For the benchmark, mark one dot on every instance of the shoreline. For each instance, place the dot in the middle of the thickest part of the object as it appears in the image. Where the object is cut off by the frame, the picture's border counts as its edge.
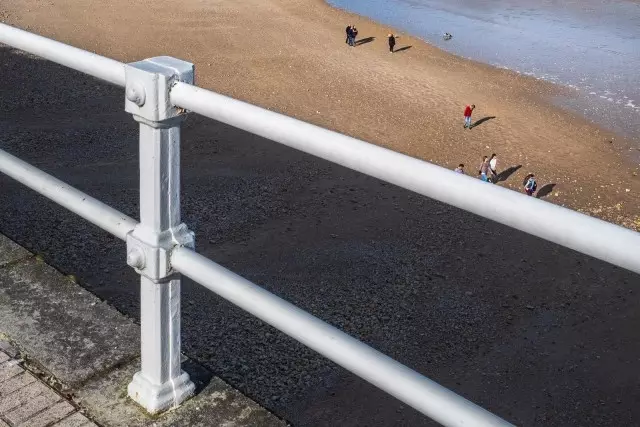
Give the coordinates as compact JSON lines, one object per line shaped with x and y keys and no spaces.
{"x":317,"y":78}
{"x":553,"y":89}
{"x":503,"y":38}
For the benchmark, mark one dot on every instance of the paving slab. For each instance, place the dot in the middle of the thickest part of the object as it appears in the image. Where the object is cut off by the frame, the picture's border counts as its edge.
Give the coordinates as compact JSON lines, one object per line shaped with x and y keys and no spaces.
{"x":75,"y":420}
{"x":23,"y":395}
{"x":218,"y":404}
{"x":19,"y":381}
{"x":11,"y":251}
{"x":9,"y":369}
{"x":62,"y":326}
{"x":30,"y":408}
{"x":26,"y":401}
{"x":9,"y":349}
{"x":50,"y":415}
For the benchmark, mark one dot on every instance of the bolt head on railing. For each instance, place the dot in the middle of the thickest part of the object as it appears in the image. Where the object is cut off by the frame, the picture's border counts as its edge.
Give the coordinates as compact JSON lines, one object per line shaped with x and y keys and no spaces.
{"x":135,"y":258}
{"x":135,"y":94}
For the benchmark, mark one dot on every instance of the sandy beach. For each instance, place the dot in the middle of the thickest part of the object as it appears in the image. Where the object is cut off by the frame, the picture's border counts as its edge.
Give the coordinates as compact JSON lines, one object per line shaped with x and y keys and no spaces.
{"x":290,"y":56}
{"x":536,"y":333}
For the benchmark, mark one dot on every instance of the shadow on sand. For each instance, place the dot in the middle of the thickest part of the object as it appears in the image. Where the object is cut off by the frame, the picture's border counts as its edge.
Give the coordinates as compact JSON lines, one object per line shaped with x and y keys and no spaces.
{"x":402,"y":48}
{"x":482,"y":120}
{"x":505,"y":174}
{"x":365,"y":41}
{"x":545,"y":190}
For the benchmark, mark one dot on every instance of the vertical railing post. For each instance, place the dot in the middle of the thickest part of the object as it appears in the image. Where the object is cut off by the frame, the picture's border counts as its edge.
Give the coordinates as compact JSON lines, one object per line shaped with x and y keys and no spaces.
{"x":160,"y":384}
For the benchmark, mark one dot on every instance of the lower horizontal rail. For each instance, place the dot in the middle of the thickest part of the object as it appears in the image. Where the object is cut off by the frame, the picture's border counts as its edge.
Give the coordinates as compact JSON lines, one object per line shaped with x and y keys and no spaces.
{"x":423,"y":394}
{"x":76,"y":201}
{"x":591,"y":236}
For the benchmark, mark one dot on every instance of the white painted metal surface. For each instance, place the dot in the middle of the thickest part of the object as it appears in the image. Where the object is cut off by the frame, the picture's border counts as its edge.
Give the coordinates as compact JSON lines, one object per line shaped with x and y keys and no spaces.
{"x":160,"y":384}
{"x":89,"y":63}
{"x":153,"y":88}
{"x":425,"y":395}
{"x":592,"y":236}
{"x":66,"y":196}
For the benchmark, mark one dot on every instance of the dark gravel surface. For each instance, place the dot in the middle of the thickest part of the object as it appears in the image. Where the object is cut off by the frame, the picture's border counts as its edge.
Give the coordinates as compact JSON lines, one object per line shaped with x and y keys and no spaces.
{"x":538,"y":334}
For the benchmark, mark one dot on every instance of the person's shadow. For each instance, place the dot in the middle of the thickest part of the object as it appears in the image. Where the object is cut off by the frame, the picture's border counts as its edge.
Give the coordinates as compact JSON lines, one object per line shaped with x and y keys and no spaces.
{"x":545,"y":190}
{"x":482,"y":120}
{"x":365,"y":41}
{"x":402,"y":48}
{"x":505,"y":174}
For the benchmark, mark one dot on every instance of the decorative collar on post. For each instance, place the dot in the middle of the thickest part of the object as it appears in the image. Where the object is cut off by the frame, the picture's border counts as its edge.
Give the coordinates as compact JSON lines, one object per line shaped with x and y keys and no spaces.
{"x":148,"y":83}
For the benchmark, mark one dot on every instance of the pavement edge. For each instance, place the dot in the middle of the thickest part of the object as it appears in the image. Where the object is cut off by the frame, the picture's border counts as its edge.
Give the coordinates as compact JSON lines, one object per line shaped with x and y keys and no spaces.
{"x":88,"y":351}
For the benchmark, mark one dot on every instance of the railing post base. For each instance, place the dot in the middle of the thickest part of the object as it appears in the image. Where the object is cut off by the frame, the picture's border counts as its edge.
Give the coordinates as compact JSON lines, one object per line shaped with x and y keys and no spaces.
{"x":157,"y":398}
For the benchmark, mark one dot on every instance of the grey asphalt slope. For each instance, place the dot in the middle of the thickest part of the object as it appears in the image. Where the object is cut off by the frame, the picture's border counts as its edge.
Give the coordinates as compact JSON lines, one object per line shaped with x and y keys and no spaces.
{"x":534,"y":332}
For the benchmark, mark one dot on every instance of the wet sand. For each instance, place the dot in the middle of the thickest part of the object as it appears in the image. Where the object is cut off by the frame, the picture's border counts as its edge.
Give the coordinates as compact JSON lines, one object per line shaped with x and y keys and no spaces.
{"x":290,"y":56}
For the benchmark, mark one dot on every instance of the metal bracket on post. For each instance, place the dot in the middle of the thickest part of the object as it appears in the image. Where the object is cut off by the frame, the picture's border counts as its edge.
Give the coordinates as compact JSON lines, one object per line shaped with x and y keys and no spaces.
{"x":149,"y":253}
{"x":160,"y":384}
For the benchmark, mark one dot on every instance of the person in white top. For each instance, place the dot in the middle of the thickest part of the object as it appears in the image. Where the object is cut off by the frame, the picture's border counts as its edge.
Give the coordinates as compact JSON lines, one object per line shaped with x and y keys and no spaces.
{"x":493,"y":163}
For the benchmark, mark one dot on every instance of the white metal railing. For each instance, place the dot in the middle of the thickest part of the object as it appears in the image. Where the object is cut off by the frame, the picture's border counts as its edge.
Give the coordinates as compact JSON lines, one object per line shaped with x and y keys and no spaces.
{"x":66,"y":196}
{"x":159,"y":91}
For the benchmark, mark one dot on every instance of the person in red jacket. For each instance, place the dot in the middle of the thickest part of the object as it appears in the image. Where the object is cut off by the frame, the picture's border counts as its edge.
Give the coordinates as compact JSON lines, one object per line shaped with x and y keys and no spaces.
{"x":467,"y":115}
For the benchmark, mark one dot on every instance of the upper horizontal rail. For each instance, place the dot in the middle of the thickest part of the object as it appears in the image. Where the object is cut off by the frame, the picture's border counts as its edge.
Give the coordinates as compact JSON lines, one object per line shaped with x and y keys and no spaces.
{"x":74,"y":200}
{"x":414,"y":389}
{"x":592,"y":236}
{"x":89,"y":63}
{"x":600,"y":239}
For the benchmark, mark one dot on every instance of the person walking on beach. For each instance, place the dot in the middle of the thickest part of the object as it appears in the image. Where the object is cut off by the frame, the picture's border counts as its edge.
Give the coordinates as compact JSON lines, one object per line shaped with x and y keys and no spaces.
{"x":493,"y":163}
{"x":467,"y":115}
{"x":530,"y":184}
{"x":354,"y":34}
{"x":460,"y":169}
{"x":483,"y":170}
{"x":392,"y":42}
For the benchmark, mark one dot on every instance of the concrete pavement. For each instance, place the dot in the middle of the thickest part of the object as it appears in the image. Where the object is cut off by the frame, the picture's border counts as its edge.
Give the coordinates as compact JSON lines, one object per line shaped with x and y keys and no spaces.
{"x":66,"y":357}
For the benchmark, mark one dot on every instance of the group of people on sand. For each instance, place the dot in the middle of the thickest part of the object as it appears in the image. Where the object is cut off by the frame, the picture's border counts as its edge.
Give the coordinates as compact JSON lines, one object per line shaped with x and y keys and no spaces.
{"x":487,"y":171}
{"x":352,"y":33}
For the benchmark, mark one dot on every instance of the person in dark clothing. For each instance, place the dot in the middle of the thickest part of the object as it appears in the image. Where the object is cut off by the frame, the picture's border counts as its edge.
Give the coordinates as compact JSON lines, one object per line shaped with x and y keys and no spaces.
{"x":392,"y":42}
{"x":348,"y":31}
{"x":351,"y":35}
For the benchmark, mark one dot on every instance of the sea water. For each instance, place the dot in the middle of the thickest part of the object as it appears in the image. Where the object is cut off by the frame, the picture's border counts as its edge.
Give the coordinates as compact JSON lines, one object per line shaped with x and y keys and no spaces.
{"x":591,"y":46}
